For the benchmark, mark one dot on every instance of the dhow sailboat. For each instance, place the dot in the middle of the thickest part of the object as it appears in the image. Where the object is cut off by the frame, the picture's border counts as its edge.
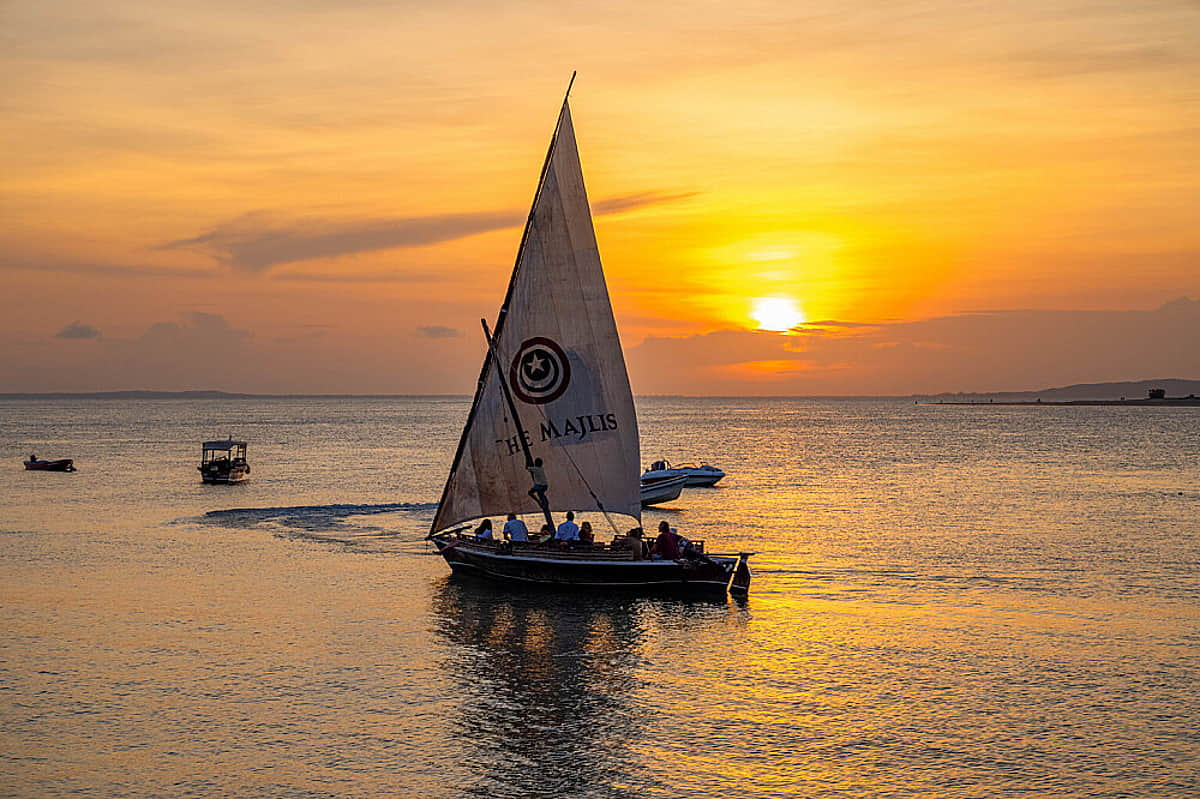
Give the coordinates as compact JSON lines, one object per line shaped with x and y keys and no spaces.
{"x":553,"y":387}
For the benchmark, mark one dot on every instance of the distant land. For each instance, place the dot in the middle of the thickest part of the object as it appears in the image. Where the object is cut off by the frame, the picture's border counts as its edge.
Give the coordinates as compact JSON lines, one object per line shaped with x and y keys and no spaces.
{"x":1133,"y":389}
{"x":1130,"y":390}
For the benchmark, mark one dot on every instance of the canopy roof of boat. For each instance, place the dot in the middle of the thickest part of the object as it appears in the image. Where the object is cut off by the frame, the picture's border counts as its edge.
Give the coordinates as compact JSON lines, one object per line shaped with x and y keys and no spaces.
{"x":227,"y":444}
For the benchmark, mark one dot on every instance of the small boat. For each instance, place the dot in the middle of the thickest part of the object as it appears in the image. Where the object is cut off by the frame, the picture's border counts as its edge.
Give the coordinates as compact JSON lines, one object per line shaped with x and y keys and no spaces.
{"x":60,"y":465}
{"x":702,"y":475}
{"x":554,"y":385}
{"x":655,"y":492}
{"x":223,"y":461}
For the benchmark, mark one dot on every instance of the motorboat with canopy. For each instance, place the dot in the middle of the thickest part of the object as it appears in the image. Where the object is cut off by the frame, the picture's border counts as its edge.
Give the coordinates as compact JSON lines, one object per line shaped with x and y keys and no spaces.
{"x":223,"y":461}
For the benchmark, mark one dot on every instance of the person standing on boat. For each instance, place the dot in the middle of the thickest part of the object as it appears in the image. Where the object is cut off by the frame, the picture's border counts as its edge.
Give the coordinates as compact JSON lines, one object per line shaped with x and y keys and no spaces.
{"x":538,"y":492}
{"x":568,"y":530}
{"x":667,"y":543}
{"x":515,"y":529}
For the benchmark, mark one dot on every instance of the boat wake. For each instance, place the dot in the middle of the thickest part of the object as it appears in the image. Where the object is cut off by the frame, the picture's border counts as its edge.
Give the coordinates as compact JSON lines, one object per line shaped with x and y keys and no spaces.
{"x":339,"y":524}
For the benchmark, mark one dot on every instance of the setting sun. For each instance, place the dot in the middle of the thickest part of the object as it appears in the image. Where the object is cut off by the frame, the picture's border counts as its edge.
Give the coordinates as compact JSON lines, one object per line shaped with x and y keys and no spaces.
{"x":776,"y":313}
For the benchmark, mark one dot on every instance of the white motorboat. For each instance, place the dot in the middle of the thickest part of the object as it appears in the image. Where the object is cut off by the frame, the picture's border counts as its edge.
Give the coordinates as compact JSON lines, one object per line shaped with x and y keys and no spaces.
{"x":665,"y":489}
{"x":702,"y":475}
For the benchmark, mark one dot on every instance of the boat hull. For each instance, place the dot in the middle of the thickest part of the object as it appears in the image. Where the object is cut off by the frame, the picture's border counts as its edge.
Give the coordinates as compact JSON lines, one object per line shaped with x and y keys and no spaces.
{"x":534,"y":565}
{"x":666,"y":489}
{"x":235,"y":474}
{"x":61,"y":465}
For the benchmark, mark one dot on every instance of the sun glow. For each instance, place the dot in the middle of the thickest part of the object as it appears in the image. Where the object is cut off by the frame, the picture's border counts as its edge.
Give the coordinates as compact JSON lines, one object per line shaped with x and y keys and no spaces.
{"x":776,"y":313}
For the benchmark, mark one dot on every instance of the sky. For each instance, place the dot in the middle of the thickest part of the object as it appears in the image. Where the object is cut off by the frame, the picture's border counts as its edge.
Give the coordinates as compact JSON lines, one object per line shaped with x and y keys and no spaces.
{"x":795,"y":197}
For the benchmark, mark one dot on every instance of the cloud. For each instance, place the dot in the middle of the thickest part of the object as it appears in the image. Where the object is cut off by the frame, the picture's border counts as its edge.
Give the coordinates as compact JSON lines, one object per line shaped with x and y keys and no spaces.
{"x":630,"y":202}
{"x":1058,"y":62}
{"x":982,"y":351}
{"x":204,"y":331}
{"x":33,"y":263}
{"x":438,"y":331}
{"x":77,"y":330}
{"x":256,"y":242}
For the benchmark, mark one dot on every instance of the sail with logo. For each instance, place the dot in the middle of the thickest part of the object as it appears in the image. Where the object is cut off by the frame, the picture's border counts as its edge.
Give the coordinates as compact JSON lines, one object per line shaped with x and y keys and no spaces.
{"x":554,"y":389}
{"x":557,"y":345}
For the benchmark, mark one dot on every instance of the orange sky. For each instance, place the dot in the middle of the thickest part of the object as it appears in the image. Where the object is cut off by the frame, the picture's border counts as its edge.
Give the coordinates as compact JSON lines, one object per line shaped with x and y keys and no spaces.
{"x":315,"y":197}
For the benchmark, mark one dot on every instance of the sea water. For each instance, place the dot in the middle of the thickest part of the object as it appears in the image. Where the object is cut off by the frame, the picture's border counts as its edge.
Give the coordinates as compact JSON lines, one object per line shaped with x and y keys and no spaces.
{"x":948,"y":602}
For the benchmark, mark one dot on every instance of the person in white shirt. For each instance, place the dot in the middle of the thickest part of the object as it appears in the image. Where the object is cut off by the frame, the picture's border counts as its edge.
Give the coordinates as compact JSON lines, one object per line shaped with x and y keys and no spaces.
{"x":568,"y":530}
{"x":515,"y":529}
{"x":484,"y":531}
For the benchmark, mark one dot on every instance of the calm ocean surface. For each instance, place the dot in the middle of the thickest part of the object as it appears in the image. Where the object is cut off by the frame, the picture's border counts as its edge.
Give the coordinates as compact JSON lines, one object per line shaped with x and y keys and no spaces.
{"x":948,"y":602}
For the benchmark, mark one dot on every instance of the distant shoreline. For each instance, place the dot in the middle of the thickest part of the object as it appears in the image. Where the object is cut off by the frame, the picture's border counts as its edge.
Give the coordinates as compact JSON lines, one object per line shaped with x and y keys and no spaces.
{"x":1169,"y":402}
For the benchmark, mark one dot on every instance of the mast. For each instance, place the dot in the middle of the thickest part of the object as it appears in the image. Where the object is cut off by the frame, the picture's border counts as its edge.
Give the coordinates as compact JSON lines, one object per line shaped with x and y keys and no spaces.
{"x":512,"y":282}
{"x":516,"y":417}
{"x":555,"y":348}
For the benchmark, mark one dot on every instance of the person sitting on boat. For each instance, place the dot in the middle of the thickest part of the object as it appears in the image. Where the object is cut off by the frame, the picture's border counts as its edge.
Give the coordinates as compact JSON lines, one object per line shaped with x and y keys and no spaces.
{"x":32,"y":458}
{"x":484,"y":531}
{"x":515,"y":529}
{"x":635,"y":544}
{"x":538,"y":475}
{"x":568,"y":530}
{"x":666,"y":546}
{"x":545,"y":534}
{"x":585,"y":533}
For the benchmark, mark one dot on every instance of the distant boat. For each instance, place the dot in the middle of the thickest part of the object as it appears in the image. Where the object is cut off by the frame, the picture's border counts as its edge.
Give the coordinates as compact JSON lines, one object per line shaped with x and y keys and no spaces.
{"x":60,"y":465}
{"x":656,"y":492}
{"x":223,"y":461}
{"x":555,"y":359}
{"x":702,"y":475}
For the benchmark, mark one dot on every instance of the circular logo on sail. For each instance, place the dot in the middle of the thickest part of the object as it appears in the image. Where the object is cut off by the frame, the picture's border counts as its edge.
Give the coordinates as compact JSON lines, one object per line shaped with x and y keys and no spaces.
{"x":540,"y":372}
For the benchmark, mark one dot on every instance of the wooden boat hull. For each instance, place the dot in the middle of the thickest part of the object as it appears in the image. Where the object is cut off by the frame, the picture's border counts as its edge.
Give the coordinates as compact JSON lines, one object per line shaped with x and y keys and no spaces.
{"x":581,"y":569}
{"x":61,"y":465}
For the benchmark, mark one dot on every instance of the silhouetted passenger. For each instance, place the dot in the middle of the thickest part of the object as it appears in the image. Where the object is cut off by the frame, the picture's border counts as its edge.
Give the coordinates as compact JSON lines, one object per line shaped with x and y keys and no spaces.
{"x":636,"y":545}
{"x":515,"y":529}
{"x":568,"y":530}
{"x":585,"y":533}
{"x":667,"y":543}
{"x":484,"y":531}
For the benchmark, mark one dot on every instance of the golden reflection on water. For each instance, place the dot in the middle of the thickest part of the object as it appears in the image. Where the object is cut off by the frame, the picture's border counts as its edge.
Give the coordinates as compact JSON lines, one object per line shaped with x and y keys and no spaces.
{"x":946,"y":603}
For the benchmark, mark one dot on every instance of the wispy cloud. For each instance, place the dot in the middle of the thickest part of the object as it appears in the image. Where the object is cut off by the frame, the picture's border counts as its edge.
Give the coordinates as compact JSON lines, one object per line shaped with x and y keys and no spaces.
{"x":258,"y":241}
{"x":641,"y":199}
{"x":37,"y":264}
{"x":77,"y":330}
{"x":438,"y":331}
{"x":254,"y":242}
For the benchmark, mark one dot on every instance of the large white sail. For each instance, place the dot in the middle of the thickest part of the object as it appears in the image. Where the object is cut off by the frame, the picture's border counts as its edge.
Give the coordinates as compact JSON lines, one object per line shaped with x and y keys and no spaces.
{"x":557,"y":345}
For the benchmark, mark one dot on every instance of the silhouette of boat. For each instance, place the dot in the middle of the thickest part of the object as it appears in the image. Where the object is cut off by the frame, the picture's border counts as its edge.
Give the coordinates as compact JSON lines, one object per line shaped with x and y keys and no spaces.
{"x":554,"y":383}
{"x":702,"y":475}
{"x":60,"y":465}
{"x":664,"y":489}
{"x":223,"y":461}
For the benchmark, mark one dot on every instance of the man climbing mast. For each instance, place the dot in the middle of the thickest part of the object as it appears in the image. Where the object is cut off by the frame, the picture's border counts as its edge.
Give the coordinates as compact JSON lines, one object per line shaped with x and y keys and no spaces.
{"x":538,"y":492}
{"x":536,"y":472}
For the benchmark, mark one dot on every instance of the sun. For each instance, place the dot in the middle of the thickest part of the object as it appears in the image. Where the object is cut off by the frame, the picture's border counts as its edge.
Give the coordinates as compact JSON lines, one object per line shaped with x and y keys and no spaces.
{"x":776,"y":313}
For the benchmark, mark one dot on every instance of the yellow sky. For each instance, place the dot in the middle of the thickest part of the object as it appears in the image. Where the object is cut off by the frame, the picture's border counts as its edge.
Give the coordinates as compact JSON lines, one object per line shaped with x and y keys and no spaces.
{"x":336,"y":187}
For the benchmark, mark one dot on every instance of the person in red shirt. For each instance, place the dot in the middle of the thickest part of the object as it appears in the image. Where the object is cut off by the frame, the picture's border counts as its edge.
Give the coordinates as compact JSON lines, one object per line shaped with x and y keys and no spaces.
{"x":667,"y":543}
